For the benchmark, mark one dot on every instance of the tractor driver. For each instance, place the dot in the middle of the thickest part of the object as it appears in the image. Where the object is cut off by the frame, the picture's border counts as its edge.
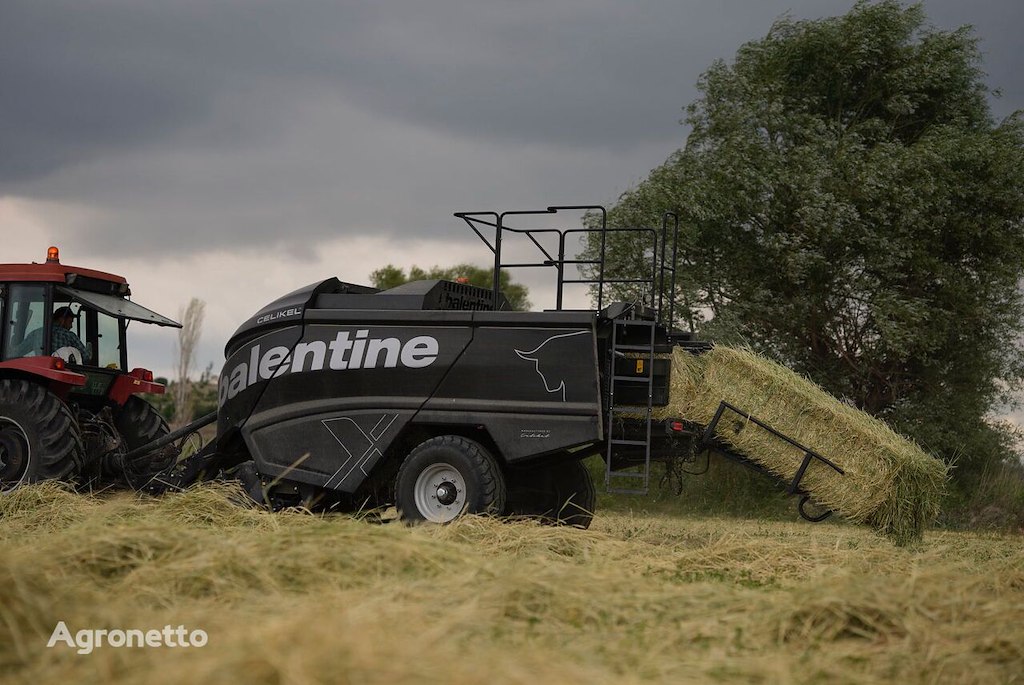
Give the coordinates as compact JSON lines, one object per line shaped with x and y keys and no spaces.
{"x":61,"y":334}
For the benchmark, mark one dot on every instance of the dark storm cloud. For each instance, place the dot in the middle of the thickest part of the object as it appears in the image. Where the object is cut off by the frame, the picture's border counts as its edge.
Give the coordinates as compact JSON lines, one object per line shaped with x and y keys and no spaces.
{"x":185,"y":125}
{"x":84,"y":79}
{"x":996,"y":25}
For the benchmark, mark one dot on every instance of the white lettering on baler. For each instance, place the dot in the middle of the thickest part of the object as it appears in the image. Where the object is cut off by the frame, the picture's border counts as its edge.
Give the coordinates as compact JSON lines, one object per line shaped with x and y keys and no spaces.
{"x":267,"y":318}
{"x":342,"y":353}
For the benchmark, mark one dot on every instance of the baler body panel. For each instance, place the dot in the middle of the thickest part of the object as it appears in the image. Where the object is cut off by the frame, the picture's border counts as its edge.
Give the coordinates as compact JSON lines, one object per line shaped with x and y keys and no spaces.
{"x":320,"y":395}
{"x":532,"y":382}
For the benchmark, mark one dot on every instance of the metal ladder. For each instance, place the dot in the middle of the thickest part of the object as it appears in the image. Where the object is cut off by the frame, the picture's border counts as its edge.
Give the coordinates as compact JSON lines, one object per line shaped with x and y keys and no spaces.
{"x":625,"y":480}
{"x":629,"y":480}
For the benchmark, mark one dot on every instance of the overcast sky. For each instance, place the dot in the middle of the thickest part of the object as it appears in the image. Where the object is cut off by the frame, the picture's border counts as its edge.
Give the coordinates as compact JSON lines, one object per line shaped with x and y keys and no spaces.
{"x":233,"y":151}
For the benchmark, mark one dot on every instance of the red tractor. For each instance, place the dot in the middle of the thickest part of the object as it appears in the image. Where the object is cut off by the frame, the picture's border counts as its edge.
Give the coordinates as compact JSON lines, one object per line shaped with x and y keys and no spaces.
{"x":69,"y":406}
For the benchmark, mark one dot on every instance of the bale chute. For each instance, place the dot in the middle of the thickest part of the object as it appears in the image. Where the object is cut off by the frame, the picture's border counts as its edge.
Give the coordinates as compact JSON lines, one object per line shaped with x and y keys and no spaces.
{"x":884,"y":480}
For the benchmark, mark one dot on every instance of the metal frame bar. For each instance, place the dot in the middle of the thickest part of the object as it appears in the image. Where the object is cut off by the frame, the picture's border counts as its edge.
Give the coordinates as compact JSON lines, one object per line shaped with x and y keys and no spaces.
{"x":810,"y":455}
{"x":477,"y":219}
{"x":757,"y":468}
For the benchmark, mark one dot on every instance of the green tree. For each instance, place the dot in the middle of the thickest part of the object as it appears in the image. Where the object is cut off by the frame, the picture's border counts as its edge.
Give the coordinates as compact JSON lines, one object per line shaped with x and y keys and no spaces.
{"x":390,"y":276}
{"x":850,"y":208}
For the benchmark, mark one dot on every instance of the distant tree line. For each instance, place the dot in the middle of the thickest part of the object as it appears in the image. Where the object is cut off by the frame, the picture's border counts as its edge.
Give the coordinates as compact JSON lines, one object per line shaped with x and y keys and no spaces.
{"x":391,"y":276}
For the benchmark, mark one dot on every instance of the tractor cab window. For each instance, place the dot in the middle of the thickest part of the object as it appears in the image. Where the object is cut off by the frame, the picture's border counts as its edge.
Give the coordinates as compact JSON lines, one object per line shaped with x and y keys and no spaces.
{"x":94,"y":335}
{"x":24,"y":320}
{"x":108,"y":341}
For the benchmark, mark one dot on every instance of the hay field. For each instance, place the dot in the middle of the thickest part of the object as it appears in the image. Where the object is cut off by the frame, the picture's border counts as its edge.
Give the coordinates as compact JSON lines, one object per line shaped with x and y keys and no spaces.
{"x":293,"y":598}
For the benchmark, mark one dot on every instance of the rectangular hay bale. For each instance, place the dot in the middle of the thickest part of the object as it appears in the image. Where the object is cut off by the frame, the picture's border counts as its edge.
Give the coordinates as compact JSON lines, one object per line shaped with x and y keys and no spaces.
{"x":890,"y":483}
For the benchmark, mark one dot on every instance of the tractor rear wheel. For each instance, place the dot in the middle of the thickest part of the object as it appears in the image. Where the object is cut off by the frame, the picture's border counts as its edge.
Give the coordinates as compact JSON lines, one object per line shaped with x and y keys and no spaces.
{"x":139,"y":423}
{"x":561,"y":494}
{"x":447,"y":476}
{"x":39,"y":437}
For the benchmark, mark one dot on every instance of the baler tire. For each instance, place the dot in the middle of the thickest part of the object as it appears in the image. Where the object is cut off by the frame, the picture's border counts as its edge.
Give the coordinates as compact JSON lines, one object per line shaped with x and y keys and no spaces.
{"x":560,"y":494}
{"x":39,"y":437}
{"x":448,"y":476}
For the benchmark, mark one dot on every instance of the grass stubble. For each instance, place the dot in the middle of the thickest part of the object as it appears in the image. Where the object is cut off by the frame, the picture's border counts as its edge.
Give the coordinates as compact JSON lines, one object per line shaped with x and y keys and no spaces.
{"x":297,"y":598}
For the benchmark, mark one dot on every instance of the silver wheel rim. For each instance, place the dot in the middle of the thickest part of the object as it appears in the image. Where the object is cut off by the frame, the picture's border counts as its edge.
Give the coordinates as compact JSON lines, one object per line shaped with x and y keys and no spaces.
{"x":13,"y":440}
{"x":440,"y":493}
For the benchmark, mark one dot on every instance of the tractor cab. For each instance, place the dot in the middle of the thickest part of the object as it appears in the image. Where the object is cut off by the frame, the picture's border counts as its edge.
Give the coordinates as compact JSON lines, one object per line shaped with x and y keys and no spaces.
{"x":69,"y":325}
{"x":69,"y":406}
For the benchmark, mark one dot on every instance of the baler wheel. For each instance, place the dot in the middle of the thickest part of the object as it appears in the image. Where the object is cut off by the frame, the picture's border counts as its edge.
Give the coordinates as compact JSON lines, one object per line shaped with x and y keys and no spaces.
{"x":39,"y":437}
{"x":447,"y":476}
{"x":561,"y":494}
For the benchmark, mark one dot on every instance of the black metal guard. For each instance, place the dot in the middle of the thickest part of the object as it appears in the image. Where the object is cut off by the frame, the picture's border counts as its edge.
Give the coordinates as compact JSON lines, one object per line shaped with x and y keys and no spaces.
{"x":792,"y":487}
{"x":498,"y":222}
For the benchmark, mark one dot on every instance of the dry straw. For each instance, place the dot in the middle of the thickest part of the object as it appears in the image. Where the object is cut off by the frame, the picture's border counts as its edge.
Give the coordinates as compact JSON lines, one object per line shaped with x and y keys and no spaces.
{"x":295,"y":598}
{"x":890,"y":483}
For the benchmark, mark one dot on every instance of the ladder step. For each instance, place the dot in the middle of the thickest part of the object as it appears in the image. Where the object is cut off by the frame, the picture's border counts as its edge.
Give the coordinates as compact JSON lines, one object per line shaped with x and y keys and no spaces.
{"x":626,"y":491}
{"x":634,"y":348}
{"x":626,"y":474}
{"x":635,"y":322}
{"x":627,"y":442}
{"x":641,"y":404}
{"x":630,"y":409}
{"x":632,"y":379}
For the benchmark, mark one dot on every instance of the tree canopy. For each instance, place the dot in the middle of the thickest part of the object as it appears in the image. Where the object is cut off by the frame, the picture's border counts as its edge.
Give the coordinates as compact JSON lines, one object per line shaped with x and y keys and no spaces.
{"x":390,"y":276}
{"x":850,"y":208}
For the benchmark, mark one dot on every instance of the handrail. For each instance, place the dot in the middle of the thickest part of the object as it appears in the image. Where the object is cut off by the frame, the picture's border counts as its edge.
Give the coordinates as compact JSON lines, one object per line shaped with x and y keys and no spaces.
{"x":498,"y":222}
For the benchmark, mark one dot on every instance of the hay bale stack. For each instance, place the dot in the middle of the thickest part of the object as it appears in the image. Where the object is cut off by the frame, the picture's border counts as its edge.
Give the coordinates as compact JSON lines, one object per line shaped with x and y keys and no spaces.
{"x":890,"y":483}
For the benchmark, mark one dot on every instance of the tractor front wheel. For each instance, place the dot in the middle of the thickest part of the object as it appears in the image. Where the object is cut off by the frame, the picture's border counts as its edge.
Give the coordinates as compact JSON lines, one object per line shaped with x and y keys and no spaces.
{"x":39,"y":438}
{"x":448,"y":476}
{"x":561,"y":494}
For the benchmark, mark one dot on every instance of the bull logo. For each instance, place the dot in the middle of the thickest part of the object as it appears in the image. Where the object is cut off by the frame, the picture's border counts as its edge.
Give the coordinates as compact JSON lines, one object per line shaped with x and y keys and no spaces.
{"x":549,"y":361}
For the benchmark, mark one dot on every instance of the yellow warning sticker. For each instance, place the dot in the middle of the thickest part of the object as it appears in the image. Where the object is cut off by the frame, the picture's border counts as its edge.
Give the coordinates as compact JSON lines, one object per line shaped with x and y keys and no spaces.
{"x":639,"y":365}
